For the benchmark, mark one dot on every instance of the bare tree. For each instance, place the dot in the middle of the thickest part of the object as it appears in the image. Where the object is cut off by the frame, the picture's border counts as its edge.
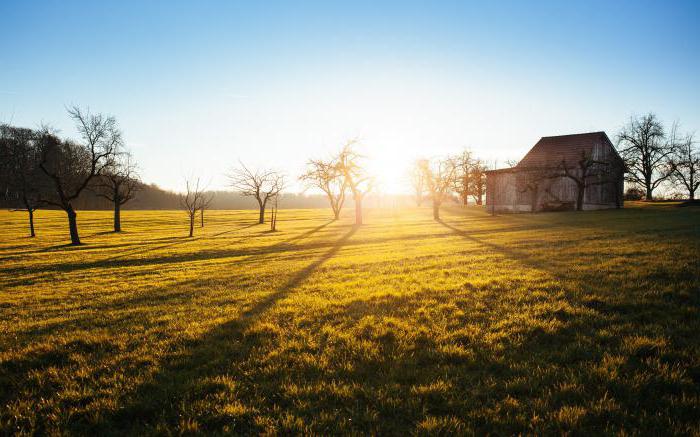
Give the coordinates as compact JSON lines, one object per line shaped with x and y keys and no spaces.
{"x":350,"y":163}
{"x":274,"y":208}
{"x":329,"y":178}
{"x":118,"y":183}
{"x":206,"y":202}
{"x":71,"y":166}
{"x":19,"y":169}
{"x":585,"y":172}
{"x":439,"y":178}
{"x":417,"y":179}
{"x":192,"y":200}
{"x":462,"y":178}
{"x":685,"y":165}
{"x":477,"y":180}
{"x":263,"y":185}
{"x":645,"y":147}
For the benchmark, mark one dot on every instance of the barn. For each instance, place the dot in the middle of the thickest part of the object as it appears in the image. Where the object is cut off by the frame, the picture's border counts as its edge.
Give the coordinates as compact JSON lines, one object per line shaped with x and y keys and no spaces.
{"x":565,"y":172}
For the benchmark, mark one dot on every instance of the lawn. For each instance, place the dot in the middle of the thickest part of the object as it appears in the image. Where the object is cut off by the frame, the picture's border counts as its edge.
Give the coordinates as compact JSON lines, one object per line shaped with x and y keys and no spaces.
{"x":527,"y":323}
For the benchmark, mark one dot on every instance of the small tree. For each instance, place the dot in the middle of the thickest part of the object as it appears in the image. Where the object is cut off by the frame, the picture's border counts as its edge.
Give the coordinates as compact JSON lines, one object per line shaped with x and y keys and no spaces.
{"x":20,"y":174}
{"x":585,"y":172}
{"x":439,"y":178}
{"x":358,"y":181}
{"x":71,"y":166}
{"x":118,"y":183}
{"x":685,"y":166}
{"x":477,"y":180}
{"x":205,"y":205}
{"x":329,"y":178}
{"x":192,"y":200}
{"x":263,"y":185}
{"x":274,"y":209}
{"x":417,"y":179}
{"x":646,"y":148}
{"x":463,"y":172}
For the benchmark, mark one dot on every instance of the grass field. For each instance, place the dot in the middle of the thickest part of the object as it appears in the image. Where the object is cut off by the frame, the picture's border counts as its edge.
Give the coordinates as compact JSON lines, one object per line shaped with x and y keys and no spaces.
{"x":519,"y":323}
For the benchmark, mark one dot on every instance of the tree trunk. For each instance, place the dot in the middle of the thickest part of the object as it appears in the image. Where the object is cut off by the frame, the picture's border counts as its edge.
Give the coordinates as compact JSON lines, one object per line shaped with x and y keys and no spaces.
{"x":480,"y":197}
{"x":201,"y":216}
{"x":192,"y":222}
{"x":579,"y":198}
{"x":261,"y":217}
{"x":465,"y":199}
{"x":691,"y":196}
{"x":436,"y":211}
{"x":358,"y":210}
{"x":649,"y":190}
{"x":117,"y":216}
{"x":31,"y":222}
{"x":73,"y":226}
{"x":336,"y":213}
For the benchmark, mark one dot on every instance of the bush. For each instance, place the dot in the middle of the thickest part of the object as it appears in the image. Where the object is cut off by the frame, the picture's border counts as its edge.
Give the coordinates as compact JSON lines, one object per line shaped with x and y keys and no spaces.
{"x":634,"y":193}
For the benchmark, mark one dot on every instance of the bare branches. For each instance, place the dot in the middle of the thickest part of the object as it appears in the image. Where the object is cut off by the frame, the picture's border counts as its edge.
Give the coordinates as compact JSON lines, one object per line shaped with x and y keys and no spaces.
{"x":684,"y":165}
{"x":645,"y":147}
{"x":263,"y":185}
{"x":193,"y":200}
{"x":355,"y":176}
{"x":329,"y":178}
{"x":440,"y":178}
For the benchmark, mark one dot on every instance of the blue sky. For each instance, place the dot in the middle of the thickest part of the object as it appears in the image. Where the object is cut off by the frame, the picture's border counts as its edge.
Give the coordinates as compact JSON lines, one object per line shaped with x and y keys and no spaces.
{"x":196,"y":86}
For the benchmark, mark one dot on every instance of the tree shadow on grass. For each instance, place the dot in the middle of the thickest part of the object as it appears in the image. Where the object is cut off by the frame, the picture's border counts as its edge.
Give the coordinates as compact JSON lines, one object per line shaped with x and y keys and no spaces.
{"x":222,"y":347}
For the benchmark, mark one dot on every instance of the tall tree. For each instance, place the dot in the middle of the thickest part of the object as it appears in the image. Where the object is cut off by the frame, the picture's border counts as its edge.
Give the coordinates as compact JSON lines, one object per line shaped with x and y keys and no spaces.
{"x":645,"y":147}
{"x":71,"y":166}
{"x":685,"y":165}
{"x":439,"y":177}
{"x":263,"y":185}
{"x":329,"y":178}
{"x":118,"y":183}
{"x":19,"y":169}
{"x":359,"y":182}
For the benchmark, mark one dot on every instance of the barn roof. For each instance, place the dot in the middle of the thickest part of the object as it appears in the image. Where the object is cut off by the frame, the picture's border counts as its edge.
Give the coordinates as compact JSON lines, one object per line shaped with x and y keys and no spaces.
{"x":552,"y":150}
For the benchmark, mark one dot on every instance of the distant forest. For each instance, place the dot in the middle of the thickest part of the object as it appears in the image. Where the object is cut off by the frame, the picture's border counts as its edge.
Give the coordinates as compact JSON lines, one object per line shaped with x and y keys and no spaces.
{"x":151,"y":196}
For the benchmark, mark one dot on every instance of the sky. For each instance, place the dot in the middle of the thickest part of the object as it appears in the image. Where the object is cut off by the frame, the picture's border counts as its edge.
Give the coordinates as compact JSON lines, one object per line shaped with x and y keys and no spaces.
{"x":198,"y":86}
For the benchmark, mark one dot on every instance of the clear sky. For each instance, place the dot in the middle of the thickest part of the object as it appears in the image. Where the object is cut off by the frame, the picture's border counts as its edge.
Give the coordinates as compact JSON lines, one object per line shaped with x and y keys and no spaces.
{"x":196,"y":86}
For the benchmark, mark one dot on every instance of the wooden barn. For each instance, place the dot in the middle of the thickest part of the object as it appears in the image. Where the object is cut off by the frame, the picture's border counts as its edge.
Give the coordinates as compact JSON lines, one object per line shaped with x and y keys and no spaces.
{"x":566,"y":172}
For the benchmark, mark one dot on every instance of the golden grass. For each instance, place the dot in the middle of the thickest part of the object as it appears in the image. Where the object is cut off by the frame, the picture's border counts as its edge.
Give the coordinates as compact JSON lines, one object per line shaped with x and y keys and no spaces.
{"x":521,"y":323}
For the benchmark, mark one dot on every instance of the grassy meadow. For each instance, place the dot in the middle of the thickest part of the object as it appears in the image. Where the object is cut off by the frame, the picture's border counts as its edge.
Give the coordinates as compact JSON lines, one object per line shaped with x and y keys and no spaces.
{"x":546,"y":323}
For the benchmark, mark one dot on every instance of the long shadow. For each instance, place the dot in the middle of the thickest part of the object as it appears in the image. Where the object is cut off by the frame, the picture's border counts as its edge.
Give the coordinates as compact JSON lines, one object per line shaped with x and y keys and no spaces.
{"x":168,"y":259}
{"x":222,"y":347}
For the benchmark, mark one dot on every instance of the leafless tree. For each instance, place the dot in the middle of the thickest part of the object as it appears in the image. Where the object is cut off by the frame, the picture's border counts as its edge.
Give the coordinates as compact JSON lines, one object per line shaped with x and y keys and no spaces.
{"x":685,"y":165}
{"x":645,"y":147}
{"x":274,"y":208}
{"x":586,"y":171}
{"x":329,"y":178}
{"x":20,"y":175}
{"x":463,"y":172}
{"x":477,"y":180}
{"x":71,"y":166}
{"x":118,"y":183}
{"x":350,"y":163}
{"x":532,"y":181}
{"x":206,"y":202}
{"x":192,"y":200}
{"x":417,"y":179}
{"x":439,"y":178}
{"x":263,"y":185}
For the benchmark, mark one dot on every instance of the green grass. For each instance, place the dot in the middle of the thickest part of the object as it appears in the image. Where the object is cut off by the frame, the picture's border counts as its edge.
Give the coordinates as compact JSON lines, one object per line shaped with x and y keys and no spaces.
{"x":519,"y":323}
